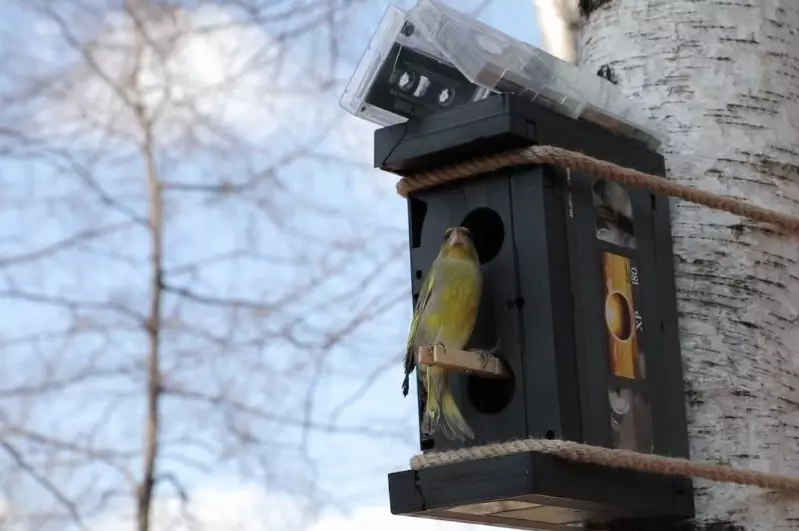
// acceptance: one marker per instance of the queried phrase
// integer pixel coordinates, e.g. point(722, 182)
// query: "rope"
point(583, 453)
point(599, 168)
point(569, 450)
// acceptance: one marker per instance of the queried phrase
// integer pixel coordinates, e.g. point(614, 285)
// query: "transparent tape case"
point(497, 61)
point(402, 74)
point(434, 56)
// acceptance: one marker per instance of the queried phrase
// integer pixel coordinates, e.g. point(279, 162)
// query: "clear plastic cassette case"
point(402, 74)
point(433, 56)
point(497, 61)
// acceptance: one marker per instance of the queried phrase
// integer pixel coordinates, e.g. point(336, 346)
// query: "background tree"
point(559, 23)
point(721, 78)
point(176, 303)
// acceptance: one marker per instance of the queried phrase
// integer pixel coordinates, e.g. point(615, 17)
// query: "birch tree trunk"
point(721, 77)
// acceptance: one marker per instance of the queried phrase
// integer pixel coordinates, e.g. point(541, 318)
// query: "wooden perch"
point(461, 361)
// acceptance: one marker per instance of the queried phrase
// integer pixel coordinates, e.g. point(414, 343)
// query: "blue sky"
point(327, 207)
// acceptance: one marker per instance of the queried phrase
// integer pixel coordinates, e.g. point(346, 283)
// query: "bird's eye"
point(466, 231)
point(448, 233)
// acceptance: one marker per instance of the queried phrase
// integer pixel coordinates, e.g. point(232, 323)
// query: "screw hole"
point(418, 274)
point(550, 434)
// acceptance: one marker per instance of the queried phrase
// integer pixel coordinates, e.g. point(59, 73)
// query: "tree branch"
point(154, 340)
point(241, 407)
point(45, 483)
point(66, 243)
point(156, 222)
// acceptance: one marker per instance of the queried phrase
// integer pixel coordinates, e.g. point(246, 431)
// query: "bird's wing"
point(410, 348)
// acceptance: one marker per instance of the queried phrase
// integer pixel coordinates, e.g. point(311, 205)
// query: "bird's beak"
point(457, 238)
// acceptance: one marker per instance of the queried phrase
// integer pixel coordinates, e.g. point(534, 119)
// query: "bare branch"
point(65, 244)
point(152, 432)
point(52, 385)
point(70, 506)
point(285, 420)
point(71, 304)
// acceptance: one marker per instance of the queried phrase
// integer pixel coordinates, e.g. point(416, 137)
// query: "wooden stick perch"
point(462, 361)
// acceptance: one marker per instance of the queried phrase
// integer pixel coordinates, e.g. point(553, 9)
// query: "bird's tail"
point(441, 412)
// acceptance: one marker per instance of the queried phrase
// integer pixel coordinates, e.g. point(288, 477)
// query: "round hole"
point(549, 434)
point(418, 274)
point(490, 395)
point(488, 232)
point(617, 316)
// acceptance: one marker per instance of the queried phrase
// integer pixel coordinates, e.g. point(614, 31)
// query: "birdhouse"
point(579, 295)
point(578, 305)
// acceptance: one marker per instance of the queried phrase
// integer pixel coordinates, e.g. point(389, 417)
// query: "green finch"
point(445, 315)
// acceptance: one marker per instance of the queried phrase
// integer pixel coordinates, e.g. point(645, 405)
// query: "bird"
point(559, 21)
point(445, 314)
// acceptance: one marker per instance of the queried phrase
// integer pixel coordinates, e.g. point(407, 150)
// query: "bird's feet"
point(486, 354)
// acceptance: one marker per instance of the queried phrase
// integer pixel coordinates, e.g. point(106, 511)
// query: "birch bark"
point(721, 76)
point(558, 21)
